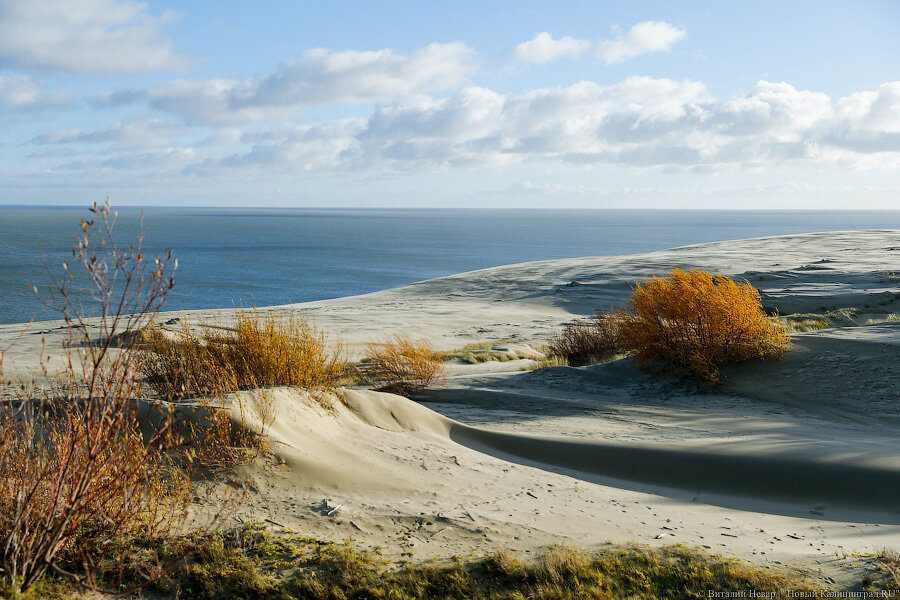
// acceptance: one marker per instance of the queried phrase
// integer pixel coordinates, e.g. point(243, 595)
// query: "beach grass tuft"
point(400, 365)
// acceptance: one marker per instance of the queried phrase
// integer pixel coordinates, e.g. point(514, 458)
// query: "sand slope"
point(795, 460)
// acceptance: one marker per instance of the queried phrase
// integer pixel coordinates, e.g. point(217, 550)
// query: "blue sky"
point(505, 104)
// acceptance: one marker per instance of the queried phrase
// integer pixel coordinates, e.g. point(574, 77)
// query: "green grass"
point(804, 325)
point(839, 317)
point(478, 352)
point(252, 563)
point(289, 567)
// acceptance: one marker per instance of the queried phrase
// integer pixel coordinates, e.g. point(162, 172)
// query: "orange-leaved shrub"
point(87, 471)
point(587, 342)
point(699, 321)
point(400, 365)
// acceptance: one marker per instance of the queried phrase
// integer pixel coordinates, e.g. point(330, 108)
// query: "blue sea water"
point(261, 257)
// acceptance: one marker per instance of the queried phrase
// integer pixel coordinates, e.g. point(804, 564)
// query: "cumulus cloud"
point(639, 122)
point(644, 38)
point(318, 78)
point(24, 93)
point(82, 36)
point(543, 48)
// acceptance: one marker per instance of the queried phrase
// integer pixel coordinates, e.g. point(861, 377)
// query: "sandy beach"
point(791, 462)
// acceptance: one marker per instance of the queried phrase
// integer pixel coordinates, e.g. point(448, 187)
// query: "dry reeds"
point(400, 365)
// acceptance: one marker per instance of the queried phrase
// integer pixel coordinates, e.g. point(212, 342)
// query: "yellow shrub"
point(259, 351)
point(699, 321)
point(400, 365)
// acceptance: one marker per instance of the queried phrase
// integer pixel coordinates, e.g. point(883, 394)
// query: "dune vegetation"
point(689, 319)
point(400, 365)
point(257, 350)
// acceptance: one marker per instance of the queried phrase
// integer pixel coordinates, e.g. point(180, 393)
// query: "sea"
point(231, 257)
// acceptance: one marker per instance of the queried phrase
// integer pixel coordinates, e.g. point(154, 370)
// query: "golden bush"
point(400, 365)
point(260, 350)
point(699, 321)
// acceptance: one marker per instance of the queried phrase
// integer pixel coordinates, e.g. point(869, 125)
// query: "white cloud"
point(304, 147)
point(319, 77)
point(543, 48)
point(640, 122)
point(644, 38)
point(139, 134)
point(24, 93)
point(113, 36)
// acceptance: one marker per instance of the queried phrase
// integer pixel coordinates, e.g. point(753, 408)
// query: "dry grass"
point(547, 362)
point(259, 351)
point(890, 564)
point(699, 321)
point(400, 365)
point(587, 342)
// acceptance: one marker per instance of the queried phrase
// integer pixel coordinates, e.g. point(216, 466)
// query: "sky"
point(518, 104)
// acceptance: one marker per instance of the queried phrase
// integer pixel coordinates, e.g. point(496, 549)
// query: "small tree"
point(400, 365)
point(84, 467)
point(700, 322)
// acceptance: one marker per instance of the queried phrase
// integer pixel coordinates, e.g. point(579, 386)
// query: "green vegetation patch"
point(287, 567)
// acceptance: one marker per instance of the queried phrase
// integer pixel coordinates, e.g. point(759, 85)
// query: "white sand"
point(794, 461)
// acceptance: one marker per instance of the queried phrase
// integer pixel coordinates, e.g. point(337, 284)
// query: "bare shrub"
point(400, 365)
point(587, 342)
point(700, 322)
point(260, 350)
point(83, 469)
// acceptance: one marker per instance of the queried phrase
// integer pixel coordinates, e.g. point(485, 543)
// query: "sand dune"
point(794, 460)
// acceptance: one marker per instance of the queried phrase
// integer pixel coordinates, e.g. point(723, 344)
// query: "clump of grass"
point(400, 365)
point(802, 325)
point(259, 351)
point(891, 318)
point(698, 321)
point(547, 362)
point(478, 352)
point(587, 342)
